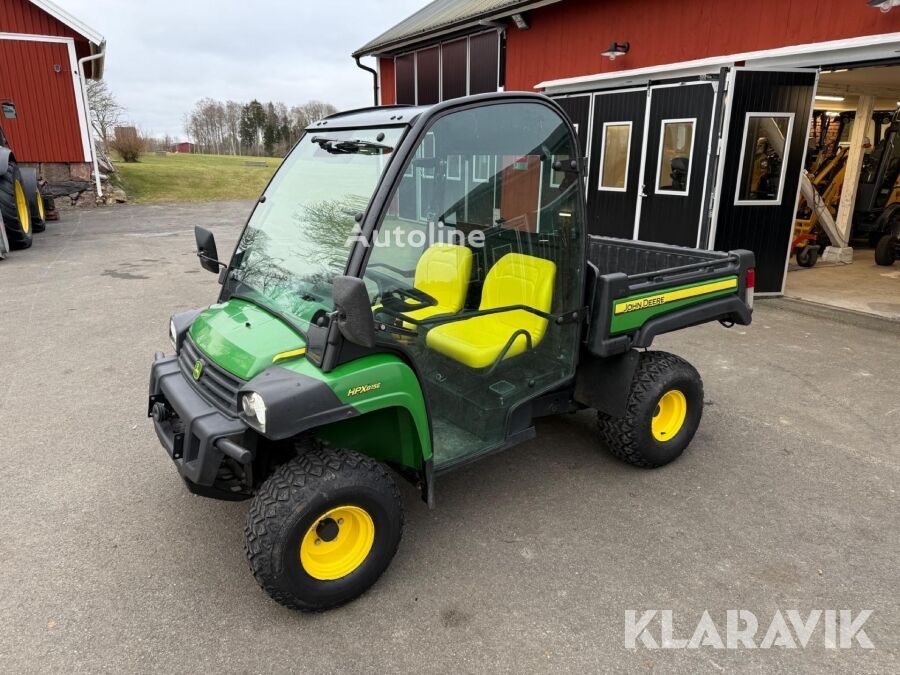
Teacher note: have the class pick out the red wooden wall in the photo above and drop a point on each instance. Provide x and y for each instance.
(566, 39)
(387, 81)
(20, 16)
(47, 127)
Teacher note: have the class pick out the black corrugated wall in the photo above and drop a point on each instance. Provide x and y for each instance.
(764, 229)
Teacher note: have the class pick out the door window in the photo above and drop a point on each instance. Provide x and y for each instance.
(503, 229)
(764, 153)
(676, 149)
(615, 156)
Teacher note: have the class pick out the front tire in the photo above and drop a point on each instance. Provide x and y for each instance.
(323, 528)
(662, 415)
(807, 256)
(886, 251)
(14, 208)
(35, 199)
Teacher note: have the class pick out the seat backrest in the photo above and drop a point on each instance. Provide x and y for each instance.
(518, 279)
(443, 272)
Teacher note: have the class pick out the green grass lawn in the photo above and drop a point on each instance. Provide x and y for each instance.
(194, 178)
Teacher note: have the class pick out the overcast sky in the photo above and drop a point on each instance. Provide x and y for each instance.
(163, 55)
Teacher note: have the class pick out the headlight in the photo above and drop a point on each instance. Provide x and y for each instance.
(255, 408)
(173, 334)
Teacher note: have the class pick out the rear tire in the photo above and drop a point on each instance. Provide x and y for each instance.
(35, 199)
(664, 408)
(301, 556)
(807, 256)
(14, 207)
(886, 250)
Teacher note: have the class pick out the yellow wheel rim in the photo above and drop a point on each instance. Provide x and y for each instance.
(22, 208)
(671, 411)
(337, 543)
(40, 204)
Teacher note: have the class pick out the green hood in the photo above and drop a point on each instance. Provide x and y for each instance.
(243, 338)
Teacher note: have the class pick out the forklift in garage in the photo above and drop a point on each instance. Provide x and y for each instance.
(414, 288)
(877, 211)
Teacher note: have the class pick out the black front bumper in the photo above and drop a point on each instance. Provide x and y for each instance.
(190, 427)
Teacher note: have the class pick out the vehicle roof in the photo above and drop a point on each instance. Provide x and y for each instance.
(406, 115)
(381, 116)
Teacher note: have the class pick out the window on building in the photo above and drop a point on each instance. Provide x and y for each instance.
(454, 69)
(454, 167)
(676, 147)
(484, 60)
(405, 73)
(763, 158)
(428, 76)
(481, 168)
(615, 156)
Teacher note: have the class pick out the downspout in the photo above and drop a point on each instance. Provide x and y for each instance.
(374, 77)
(87, 111)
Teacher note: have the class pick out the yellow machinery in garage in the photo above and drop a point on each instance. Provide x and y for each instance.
(828, 183)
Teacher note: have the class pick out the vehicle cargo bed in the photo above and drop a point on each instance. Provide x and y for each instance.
(639, 257)
(642, 289)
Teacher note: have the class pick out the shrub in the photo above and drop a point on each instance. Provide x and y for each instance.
(129, 144)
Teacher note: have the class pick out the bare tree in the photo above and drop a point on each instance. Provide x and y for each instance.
(253, 128)
(233, 126)
(316, 110)
(106, 113)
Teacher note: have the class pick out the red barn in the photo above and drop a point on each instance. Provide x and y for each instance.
(184, 147)
(678, 104)
(45, 56)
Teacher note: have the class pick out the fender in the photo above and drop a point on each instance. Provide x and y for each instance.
(374, 404)
(6, 156)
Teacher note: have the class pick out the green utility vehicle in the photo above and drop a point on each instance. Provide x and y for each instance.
(413, 290)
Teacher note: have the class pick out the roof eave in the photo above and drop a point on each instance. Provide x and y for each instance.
(58, 13)
(393, 46)
(98, 66)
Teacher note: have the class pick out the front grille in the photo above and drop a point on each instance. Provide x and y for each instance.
(217, 385)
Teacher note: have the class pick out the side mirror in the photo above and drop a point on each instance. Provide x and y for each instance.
(354, 310)
(206, 249)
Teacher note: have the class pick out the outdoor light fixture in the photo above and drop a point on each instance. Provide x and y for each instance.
(884, 5)
(616, 50)
(520, 21)
(822, 97)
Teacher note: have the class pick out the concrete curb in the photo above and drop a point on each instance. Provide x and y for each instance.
(839, 314)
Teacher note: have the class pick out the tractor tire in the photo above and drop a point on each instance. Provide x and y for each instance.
(664, 408)
(807, 256)
(323, 528)
(886, 251)
(14, 208)
(35, 200)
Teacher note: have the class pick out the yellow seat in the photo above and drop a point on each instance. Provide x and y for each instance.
(443, 272)
(515, 279)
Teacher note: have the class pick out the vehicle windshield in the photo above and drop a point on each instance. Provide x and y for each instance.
(301, 232)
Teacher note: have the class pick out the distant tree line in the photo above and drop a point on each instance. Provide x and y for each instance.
(254, 128)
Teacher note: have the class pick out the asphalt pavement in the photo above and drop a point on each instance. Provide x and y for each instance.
(787, 499)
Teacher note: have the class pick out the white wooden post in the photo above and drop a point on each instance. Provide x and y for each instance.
(840, 251)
